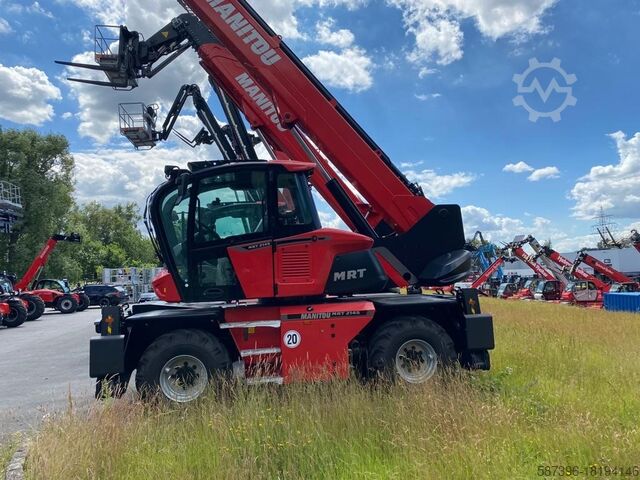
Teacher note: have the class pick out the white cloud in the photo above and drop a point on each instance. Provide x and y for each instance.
(436, 24)
(330, 219)
(542, 173)
(5, 27)
(423, 97)
(25, 95)
(519, 167)
(350, 69)
(614, 188)
(35, 7)
(112, 176)
(436, 186)
(98, 106)
(67, 115)
(342, 38)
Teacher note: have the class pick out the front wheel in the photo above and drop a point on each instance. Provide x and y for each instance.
(411, 349)
(180, 364)
(35, 306)
(67, 304)
(84, 302)
(104, 302)
(17, 315)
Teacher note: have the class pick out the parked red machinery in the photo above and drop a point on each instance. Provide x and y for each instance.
(587, 290)
(481, 282)
(13, 312)
(527, 292)
(55, 295)
(620, 282)
(325, 307)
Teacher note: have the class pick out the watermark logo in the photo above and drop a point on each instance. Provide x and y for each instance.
(535, 99)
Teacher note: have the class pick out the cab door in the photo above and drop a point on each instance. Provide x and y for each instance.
(227, 209)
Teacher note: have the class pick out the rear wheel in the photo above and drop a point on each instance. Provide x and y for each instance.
(104, 302)
(180, 364)
(67, 304)
(17, 315)
(411, 349)
(35, 306)
(84, 302)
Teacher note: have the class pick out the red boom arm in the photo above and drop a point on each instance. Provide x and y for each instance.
(601, 268)
(532, 264)
(268, 74)
(41, 260)
(488, 272)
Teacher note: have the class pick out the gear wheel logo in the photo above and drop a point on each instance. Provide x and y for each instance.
(528, 83)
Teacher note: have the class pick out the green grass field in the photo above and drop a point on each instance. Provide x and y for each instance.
(564, 390)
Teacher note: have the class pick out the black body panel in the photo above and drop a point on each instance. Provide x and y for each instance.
(356, 272)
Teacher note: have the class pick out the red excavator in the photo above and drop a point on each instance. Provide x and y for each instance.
(259, 288)
(53, 293)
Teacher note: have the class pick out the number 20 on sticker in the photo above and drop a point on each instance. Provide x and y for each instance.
(292, 339)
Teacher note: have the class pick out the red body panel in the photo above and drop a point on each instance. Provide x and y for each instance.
(303, 263)
(165, 288)
(297, 101)
(313, 339)
(50, 297)
(253, 265)
(5, 309)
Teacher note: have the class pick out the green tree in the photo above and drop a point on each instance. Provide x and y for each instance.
(42, 167)
(110, 239)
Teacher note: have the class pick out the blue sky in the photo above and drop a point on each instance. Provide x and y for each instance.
(430, 80)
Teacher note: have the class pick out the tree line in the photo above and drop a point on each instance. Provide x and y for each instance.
(43, 168)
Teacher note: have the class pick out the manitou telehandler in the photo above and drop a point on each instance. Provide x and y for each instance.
(585, 290)
(258, 287)
(619, 281)
(52, 293)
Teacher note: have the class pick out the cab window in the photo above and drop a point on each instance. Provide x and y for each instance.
(231, 205)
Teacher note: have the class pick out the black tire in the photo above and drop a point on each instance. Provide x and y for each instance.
(18, 314)
(84, 302)
(104, 302)
(387, 341)
(35, 308)
(195, 343)
(66, 304)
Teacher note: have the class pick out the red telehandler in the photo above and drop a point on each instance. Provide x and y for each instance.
(585, 291)
(620, 282)
(258, 287)
(481, 283)
(49, 293)
(542, 274)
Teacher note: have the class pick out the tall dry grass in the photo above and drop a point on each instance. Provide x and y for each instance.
(564, 390)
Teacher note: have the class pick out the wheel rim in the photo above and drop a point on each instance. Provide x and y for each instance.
(65, 305)
(104, 303)
(13, 314)
(183, 378)
(416, 361)
(31, 309)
